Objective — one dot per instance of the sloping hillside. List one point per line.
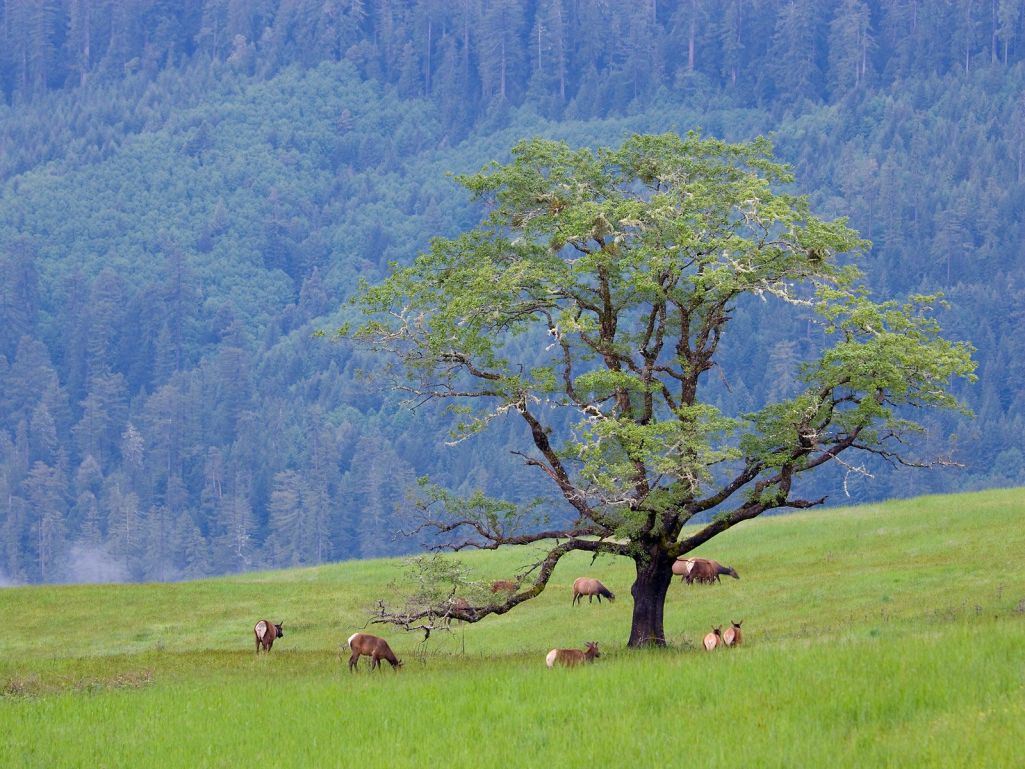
(892, 630)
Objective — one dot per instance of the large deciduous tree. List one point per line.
(591, 303)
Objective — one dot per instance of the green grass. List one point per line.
(886, 635)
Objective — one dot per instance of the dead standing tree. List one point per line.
(601, 284)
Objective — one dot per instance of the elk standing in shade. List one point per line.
(265, 633)
(364, 644)
(590, 587)
(572, 657)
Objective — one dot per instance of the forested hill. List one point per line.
(189, 190)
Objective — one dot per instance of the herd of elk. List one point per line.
(265, 633)
(590, 587)
(702, 570)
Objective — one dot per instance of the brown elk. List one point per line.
(732, 636)
(713, 640)
(707, 571)
(573, 657)
(503, 586)
(590, 587)
(265, 633)
(364, 644)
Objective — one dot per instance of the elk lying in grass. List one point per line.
(732, 636)
(265, 633)
(590, 587)
(364, 644)
(707, 571)
(573, 657)
(504, 586)
(713, 640)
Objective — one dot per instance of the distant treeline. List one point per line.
(569, 58)
(189, 191)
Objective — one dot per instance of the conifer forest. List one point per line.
(191, 191)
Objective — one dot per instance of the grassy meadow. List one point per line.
(887, 635)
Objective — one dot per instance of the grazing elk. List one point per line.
(364, 644)
(707, 571)
(265, 633)
(573, 657)
(732, 636)
(713, 640)
(503, 586)
(590, 587)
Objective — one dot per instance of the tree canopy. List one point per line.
(590, 304)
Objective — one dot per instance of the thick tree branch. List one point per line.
(452, 610)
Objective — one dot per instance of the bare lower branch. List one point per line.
(427, 616)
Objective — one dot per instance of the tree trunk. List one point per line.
(654, 575)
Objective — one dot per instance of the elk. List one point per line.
(503, 585)
(590, 587)
(732, 636)
(683, 566)
(572, 657)
(713, 640)
(455, 604)
(708, 571)
(265, 633)
(371, 646)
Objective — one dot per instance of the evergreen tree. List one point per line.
(104, 412)
(794, 58)
(849, 44)
(234, 545)
(1009, 14)
(19, 294)
(499, 49)
(124, 528)
(375, 488)
(45, 491)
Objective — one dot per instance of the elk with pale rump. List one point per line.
(732, 636)
(682, 567)
(364, 644)
(265, 633)
(572, 657)
(713, 640)
(590, 587)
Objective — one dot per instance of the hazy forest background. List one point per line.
(189, 190)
